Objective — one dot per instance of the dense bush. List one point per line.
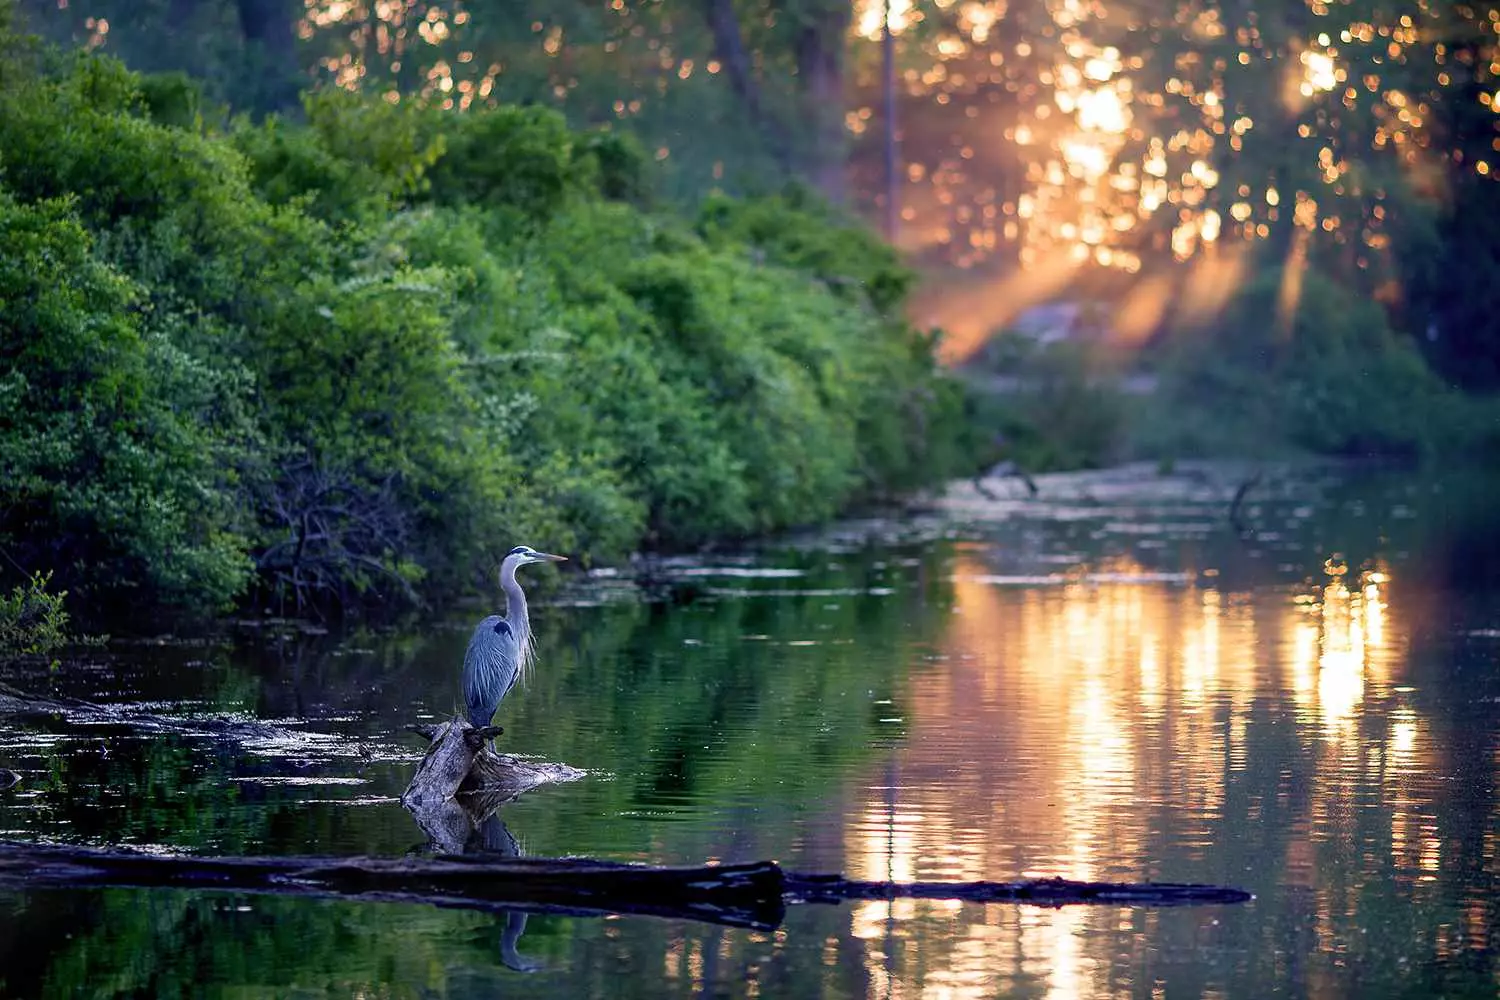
(799, 231)
(1329, 377)
(32, 619)
(1060, 407)
(356, 356)
(1333, 378)
(117, 448)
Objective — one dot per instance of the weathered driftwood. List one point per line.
(461, 768)
(744, 895)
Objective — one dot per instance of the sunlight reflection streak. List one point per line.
(1068, 721)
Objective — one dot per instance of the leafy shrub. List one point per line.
(517, 158)
(170, 207)
(363, 379)
(291, 165)
(914, 421)
(621, 166)
(799, 231)
(1336, 379)
(32, 619)
(1061, 409)
(115, 447)
(803, 392)
(174, 99)
(394, 142)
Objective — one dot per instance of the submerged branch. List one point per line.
(1040, 892)
(1235, 517)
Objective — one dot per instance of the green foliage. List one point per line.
(391, 140)
(364, 370)
(174, 99)
(798, 230)
(170, 206)
(802, 402)
(622, 168)
(291, 164)
(518, 158)
(32, 619)
(114, 443)
(1053, 406)
(356, 358)
(1332, 378)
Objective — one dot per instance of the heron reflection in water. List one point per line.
(500, 651)
(492, 836)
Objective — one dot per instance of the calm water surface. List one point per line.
(1110, 682)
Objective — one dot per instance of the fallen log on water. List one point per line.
(748, 895)
(744, 895)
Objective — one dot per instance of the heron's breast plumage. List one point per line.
(491, 665)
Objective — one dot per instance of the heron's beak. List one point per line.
(548, 557)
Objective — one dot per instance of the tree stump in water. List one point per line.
(462, 780)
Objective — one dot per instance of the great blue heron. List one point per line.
(500, 651)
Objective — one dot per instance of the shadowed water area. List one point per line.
(1111, 681)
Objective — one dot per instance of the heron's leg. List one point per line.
(478, 736)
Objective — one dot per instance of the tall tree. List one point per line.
(820, 43)
(730, 49)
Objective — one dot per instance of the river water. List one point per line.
(1111, 681)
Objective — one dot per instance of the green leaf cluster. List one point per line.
(1060, 407)
(32, 619)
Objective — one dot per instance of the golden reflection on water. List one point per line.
(1089, 729)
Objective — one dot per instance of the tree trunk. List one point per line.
(820, 68)
(729, 48)
(270, 26)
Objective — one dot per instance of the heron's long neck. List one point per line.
(515, 615)
(515, 603)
